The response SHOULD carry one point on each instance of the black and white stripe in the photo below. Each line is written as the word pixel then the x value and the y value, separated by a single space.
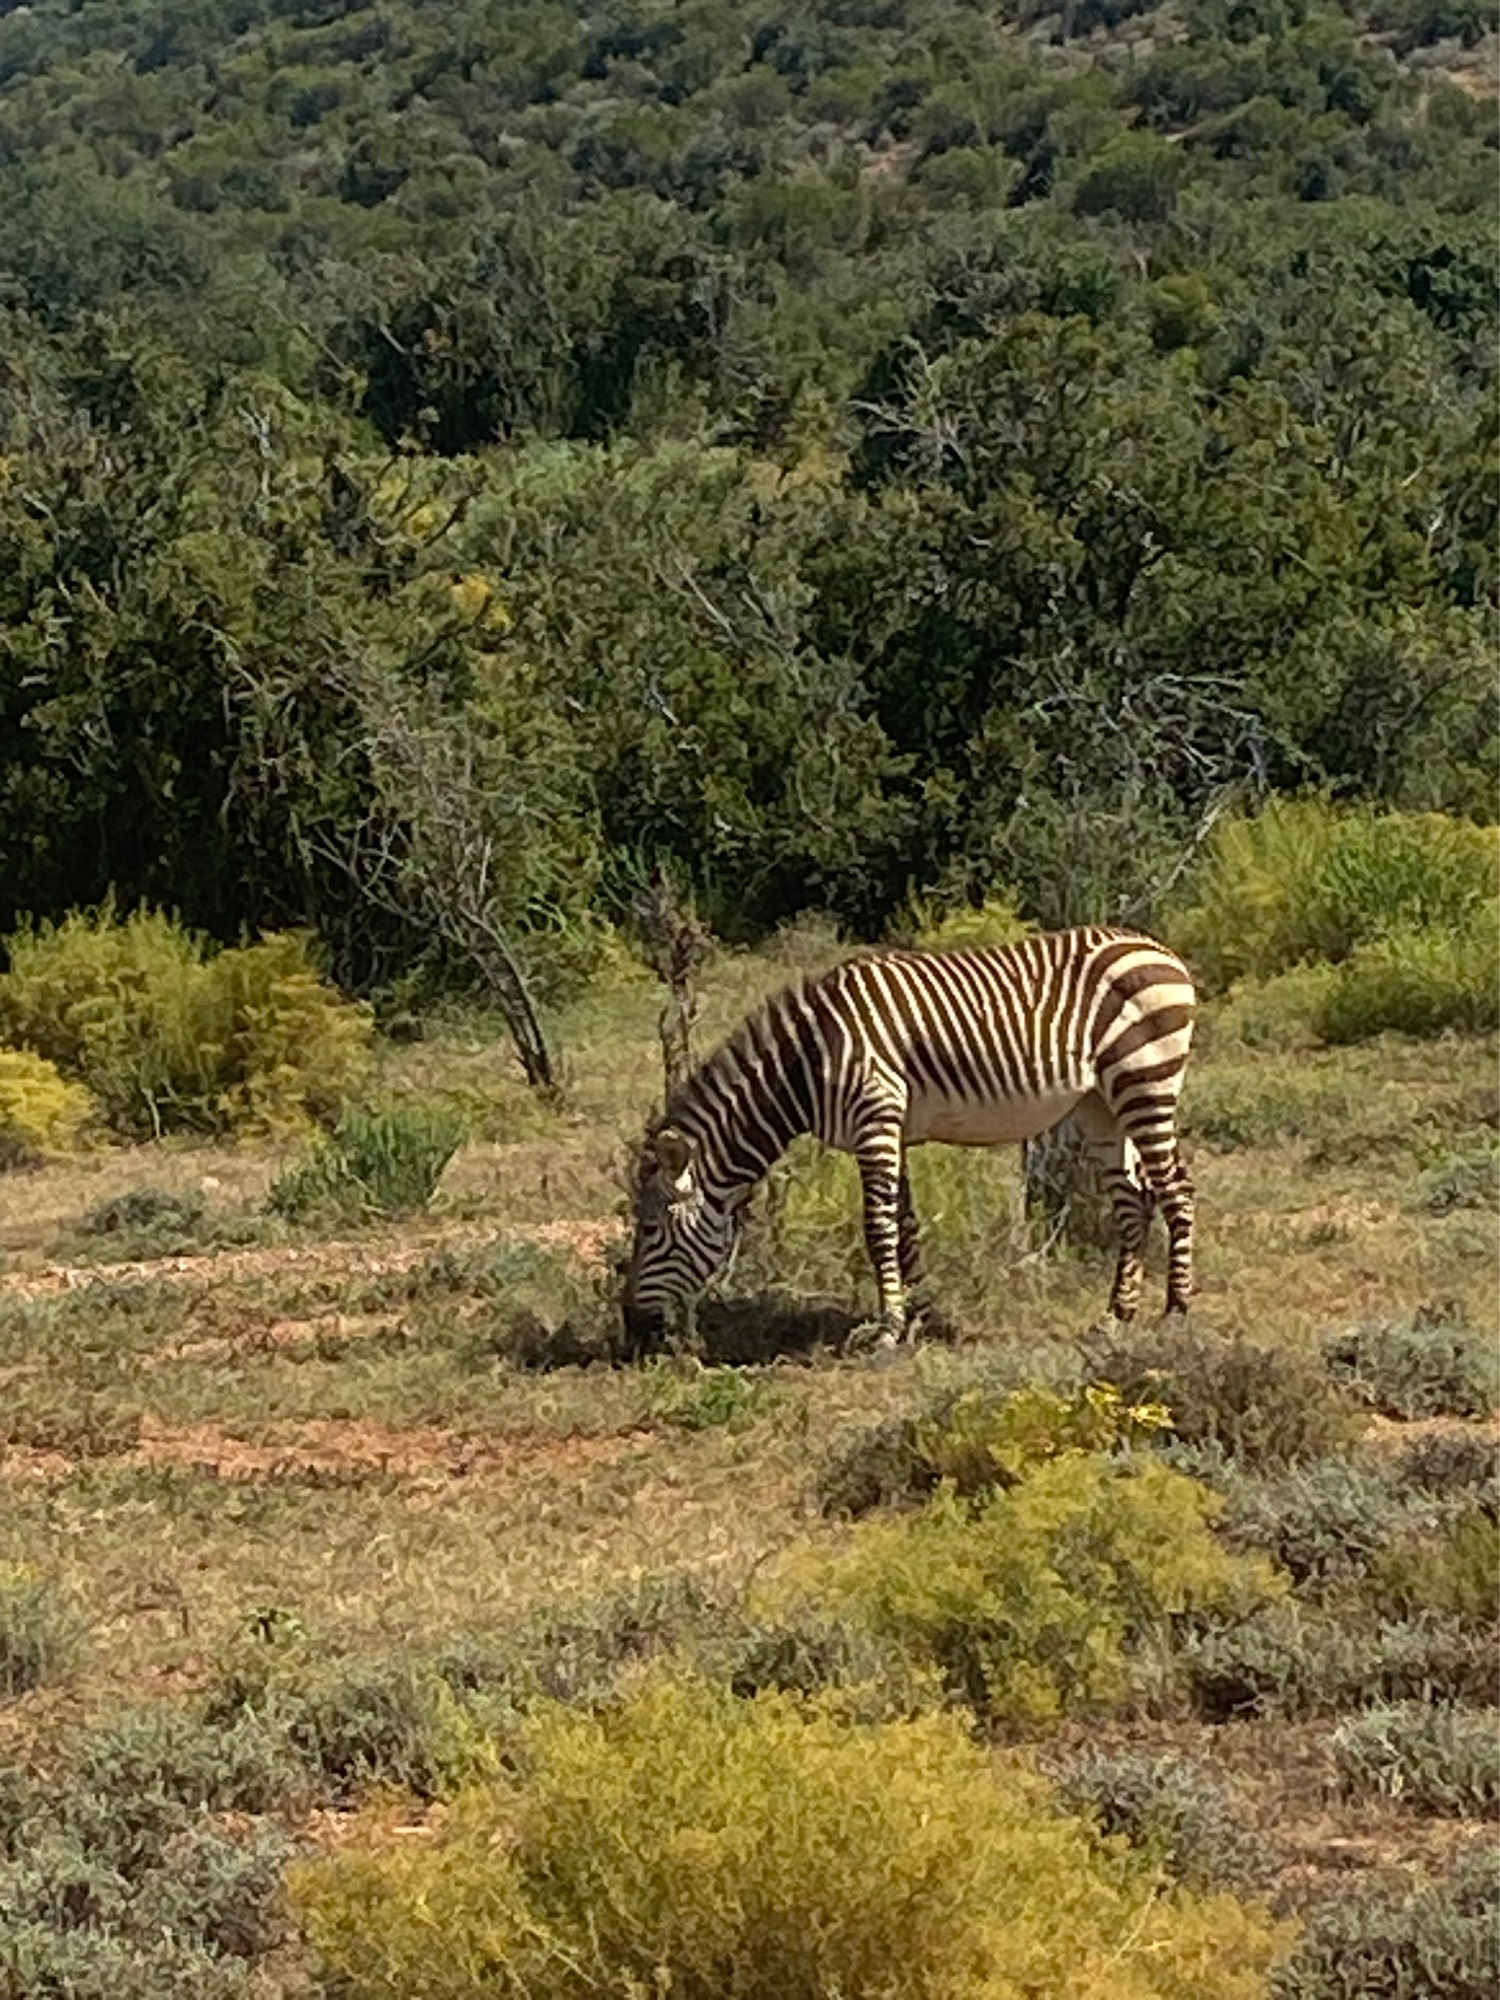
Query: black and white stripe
pixel 972 1048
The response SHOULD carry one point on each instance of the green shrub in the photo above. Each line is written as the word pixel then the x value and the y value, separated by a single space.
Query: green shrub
pixel 166 1035
pixel 1427 1366
pixel 1265 1405
pixel 1034 1602
pixel 365 1725
pixel 145 1208
pixel 1322 1521
pixel 121 1876
pixel 1184 1820
pixel 1454 1573
pixel 1466 1176
pixel 1436 1756
pixel 1463 1463
pixel 36 1634
pixel 935 927
pixel 1245 1104
pixel 716 1849
pixel 40 1111
pixel 1415 982
pixel 1294 1662
pixel 976 1439
pixel 1306 881
pixel 385 1161
pixel 1440 1942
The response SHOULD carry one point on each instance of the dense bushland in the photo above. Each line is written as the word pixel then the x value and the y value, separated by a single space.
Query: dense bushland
pixel 451 462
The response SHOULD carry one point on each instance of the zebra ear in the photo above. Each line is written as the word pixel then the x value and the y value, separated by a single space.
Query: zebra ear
pixel 674 1150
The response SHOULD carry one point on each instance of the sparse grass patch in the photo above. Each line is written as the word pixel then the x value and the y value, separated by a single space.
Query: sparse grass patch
pixel 37 1635
pixel 704 1398
pixel 384 1160
pixel 1438 1942
pixel 823 1859
pixel 1265 1405
pixel 1429 1365
pixel 1435 1756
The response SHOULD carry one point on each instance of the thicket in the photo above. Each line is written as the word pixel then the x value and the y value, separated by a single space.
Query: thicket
pixel 164 1032
pixel 691 1842
pixel 40 1110
pixel 447 461
pixel 1363 920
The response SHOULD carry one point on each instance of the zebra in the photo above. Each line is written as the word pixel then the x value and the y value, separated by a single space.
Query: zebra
pixel 976 1047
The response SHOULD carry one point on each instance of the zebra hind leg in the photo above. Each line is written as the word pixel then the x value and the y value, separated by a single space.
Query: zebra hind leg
pixel 1133 1207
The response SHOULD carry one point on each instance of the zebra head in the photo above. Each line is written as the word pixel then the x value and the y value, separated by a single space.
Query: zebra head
pixel 683 1234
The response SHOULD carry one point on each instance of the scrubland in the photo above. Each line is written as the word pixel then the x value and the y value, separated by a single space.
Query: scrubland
pixel 367 1628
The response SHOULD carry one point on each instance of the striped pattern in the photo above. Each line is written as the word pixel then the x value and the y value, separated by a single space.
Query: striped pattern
pixel 972 1048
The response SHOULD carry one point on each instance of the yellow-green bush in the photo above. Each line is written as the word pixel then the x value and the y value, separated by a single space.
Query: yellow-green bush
pixel 1034 1601
pixel 165 1033
pixel 689 1845
pixel 1416 982
pixel 1305 881
pixel 40 1111
pixel 993 922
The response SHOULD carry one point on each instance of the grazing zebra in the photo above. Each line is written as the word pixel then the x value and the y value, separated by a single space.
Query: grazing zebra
pixel 972 1048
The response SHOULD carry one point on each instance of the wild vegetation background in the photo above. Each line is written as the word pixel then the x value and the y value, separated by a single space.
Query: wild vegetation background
pixel 848 450
pixel 473 476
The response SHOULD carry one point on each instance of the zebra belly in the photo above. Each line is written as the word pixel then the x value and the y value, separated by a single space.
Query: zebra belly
pixel 1001 1121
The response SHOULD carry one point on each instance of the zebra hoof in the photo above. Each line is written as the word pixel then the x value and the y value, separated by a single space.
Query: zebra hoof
pixel 874 1337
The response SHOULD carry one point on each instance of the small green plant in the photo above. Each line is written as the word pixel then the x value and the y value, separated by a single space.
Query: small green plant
pixel 1265 1405
pixel 167 1034
pixel 383 1161
pixel 1435 1756
pixel 1034 1602
pixel 1184 1820
pixel 717 1849
pixel 41 1112
pixel 1426 1366
pixel 706 1398
pixel 145 1208
pixel 36 1635
pixel 1466 1176
pixel 1439 1942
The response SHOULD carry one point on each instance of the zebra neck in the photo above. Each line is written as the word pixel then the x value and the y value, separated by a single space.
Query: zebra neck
pixel 747 1103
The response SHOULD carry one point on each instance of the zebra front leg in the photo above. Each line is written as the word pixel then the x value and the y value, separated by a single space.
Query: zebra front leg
pixel 909 1237
pixel 879 1158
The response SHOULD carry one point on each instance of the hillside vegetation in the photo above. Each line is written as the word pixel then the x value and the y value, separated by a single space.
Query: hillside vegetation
pixel 849 450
